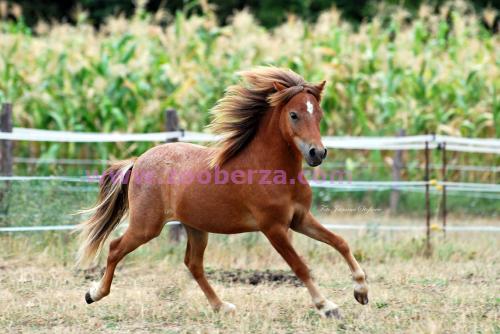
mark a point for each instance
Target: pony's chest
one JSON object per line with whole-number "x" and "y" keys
{"x": 302, "y": 196}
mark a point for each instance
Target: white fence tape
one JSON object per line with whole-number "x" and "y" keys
{"x": 61, "y": 161}
{"x": 382, "y": 185}
{"x": 37, "y": 228}
{"x": 198, "y": 137}
{"x": 489, "y": 142}
{"x": 86, "y": 179}
{"x": 329, "y": 226}
{"x": 412, "y": 166}
{"x": 487, "y": 187}
{"x": 340, "y": 184}
{"x": 363, "y": 143}
{"x": 451, "y": 192}
{"x": 483, "y": 228}
{"x": 26, "y": 134}
{"x": 472, "y": 149}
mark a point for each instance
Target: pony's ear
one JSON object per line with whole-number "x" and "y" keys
{"x": 279, "y": 87}
{"x": 321, "y": 86}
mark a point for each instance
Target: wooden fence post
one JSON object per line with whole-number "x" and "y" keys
{"x": 6, "y": 158}
{"x": 397, "y": 165}
{"x": 172, "y": 124}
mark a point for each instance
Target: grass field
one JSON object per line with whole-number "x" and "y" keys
{"x": 456, "y": 290}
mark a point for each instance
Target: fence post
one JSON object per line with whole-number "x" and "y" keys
{"x": 172, "y": 124}
{"x": 397, "y": 165}
{"x": 427, "y": 203}
{"x": 6, "y": 157}
{"x": 443, "y": 200}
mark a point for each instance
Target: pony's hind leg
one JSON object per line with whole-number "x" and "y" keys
{"x": 197, "y": 242}
{"x": 142, "y": 228}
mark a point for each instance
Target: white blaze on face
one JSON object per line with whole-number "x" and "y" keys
{"x": 310, "y": 107}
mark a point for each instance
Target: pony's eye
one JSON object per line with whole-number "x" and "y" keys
{"x": 294, "y": 115}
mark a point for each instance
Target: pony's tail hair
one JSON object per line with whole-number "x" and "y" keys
{"x": 110, "y": 209}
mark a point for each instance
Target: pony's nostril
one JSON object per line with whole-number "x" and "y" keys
{"x": 312, "y": 152}
{"x": 324, "y": 153}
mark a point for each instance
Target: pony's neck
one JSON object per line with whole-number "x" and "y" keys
{"x": 269, "y": 150}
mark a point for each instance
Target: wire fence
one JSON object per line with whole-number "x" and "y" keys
{"x": 340, "y": 184}
{"x": 99, "y": 162}
{"x": 422, "y": 142}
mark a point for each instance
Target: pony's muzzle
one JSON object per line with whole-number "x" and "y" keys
{"x": 315, "y": 155}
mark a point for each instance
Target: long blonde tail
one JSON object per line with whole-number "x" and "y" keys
{"x": 110, "y": 209}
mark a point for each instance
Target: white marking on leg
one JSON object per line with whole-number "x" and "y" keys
{"x": 226, "y": 307}
{"x": 359, "y": 279}
{"x": 310, "y": 107}
{"x": 361, "y": 288}
{"x": 328, "y": 309}
{"x": 95, "y": 291}
{"x": 325, "y": 308}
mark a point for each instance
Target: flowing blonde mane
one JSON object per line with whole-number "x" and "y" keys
{"x": 237, "y": 115}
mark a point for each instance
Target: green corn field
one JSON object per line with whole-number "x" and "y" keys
{"x": 429, "y": 73}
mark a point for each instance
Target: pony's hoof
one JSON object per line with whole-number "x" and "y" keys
{"x": 88, "y": 299}
{"x": 361, "y": 297}
{"x": 226, "y": 308}
{"x": 329, "y": 310}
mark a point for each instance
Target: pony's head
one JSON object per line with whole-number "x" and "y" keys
{"x": 270, "y": 89}
{"x": 300, "y": 115}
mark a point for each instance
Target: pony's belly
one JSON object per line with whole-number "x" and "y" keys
{"x": 223, "y": 220}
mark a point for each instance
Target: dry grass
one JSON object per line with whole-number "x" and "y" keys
{"x": 454, "y": 291}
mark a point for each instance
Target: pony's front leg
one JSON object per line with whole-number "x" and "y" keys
{"x": 312, "y": 228}
{"x": 278, "y": 236}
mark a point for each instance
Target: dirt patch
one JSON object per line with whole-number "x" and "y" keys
{"x": 235, "y": 276}
{"x": 254, "y": 277}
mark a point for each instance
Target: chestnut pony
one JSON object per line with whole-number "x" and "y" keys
{"x": 269, "y": 123}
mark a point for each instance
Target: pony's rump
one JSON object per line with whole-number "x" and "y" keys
{"x": 111, "y": 207}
